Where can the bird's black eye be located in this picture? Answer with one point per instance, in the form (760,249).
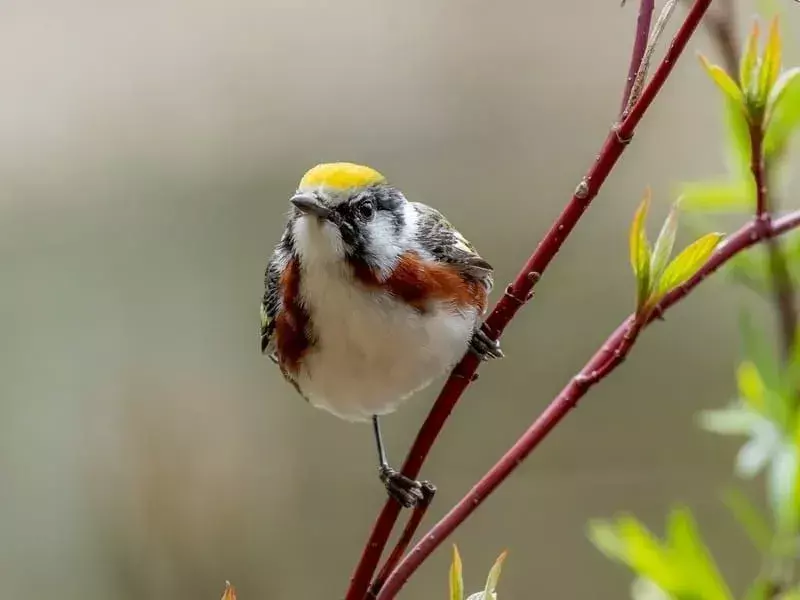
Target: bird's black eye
(366,210)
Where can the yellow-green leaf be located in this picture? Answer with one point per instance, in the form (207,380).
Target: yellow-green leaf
(751,386)
(749,58)
(494,576)
(606,538)
(771,61)
(700,577)
(628,541)
(456,578)
(687,263)
(723,80)
(640,251)
(783,112)
(783,84)
(664,244)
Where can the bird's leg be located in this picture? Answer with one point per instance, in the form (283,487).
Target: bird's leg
(408,492)
(484,346)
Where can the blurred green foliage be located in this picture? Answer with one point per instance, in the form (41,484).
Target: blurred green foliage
(761,104)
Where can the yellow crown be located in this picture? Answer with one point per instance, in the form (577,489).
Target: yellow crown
(340,176)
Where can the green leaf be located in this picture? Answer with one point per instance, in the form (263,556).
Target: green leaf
(681,567)
(456,578)
(751,387)
(604,535)
(724,81)
(783,86)
(494,576)
(664,244)
(640,251)
(783,113)
(758,349)
(717,196)
(687,263)
(754,524)
(749,59)
(770,62)
(700,575)
(644,589)
(629,542)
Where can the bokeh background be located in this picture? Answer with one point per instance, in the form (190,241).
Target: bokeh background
(147,152)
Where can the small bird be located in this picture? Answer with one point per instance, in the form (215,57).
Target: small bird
(368,298)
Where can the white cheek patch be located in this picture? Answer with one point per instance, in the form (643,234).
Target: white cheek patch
(317,242)
(385,244)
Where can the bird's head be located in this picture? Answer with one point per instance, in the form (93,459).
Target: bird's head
(345,211)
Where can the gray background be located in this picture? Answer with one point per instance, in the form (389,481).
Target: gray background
(147,150)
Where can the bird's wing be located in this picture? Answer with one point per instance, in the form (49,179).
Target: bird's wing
(270,305)
(446,244)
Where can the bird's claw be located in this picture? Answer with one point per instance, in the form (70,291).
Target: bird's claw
(408,492)
(483,346)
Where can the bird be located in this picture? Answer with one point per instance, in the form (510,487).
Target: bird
(368,298)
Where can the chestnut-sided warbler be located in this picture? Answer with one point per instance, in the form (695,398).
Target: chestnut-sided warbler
(368,298)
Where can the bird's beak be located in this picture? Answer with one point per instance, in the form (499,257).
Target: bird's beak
(309,205)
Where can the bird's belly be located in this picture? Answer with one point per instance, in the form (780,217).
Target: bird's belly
(372,352)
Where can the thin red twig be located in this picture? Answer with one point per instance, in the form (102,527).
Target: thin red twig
(519,292)
(400,548)
(758,171)
(604,362)
(783,290)
(643,21)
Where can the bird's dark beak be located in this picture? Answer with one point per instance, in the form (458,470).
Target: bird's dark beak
(309,205)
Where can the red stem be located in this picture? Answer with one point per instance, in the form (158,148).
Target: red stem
(757,169)
(643,21)
(400,548)
(783,290)
(604,362)
(519,292)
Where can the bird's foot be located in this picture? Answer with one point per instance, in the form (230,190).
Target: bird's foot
(483,346)
(408,492)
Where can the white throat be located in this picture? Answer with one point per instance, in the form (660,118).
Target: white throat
(317,242)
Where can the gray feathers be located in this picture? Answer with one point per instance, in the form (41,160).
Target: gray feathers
(446,244)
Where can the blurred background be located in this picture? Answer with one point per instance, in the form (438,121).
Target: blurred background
(147,152)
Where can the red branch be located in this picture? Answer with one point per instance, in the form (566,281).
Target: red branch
(757,169)
(783,290)
(604,362)
(643,21)
(519,292)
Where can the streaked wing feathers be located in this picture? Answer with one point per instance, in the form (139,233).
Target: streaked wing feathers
(446,244)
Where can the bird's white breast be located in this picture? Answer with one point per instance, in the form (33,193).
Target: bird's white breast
(371,351)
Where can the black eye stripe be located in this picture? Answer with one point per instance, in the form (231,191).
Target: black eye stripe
(366,209)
